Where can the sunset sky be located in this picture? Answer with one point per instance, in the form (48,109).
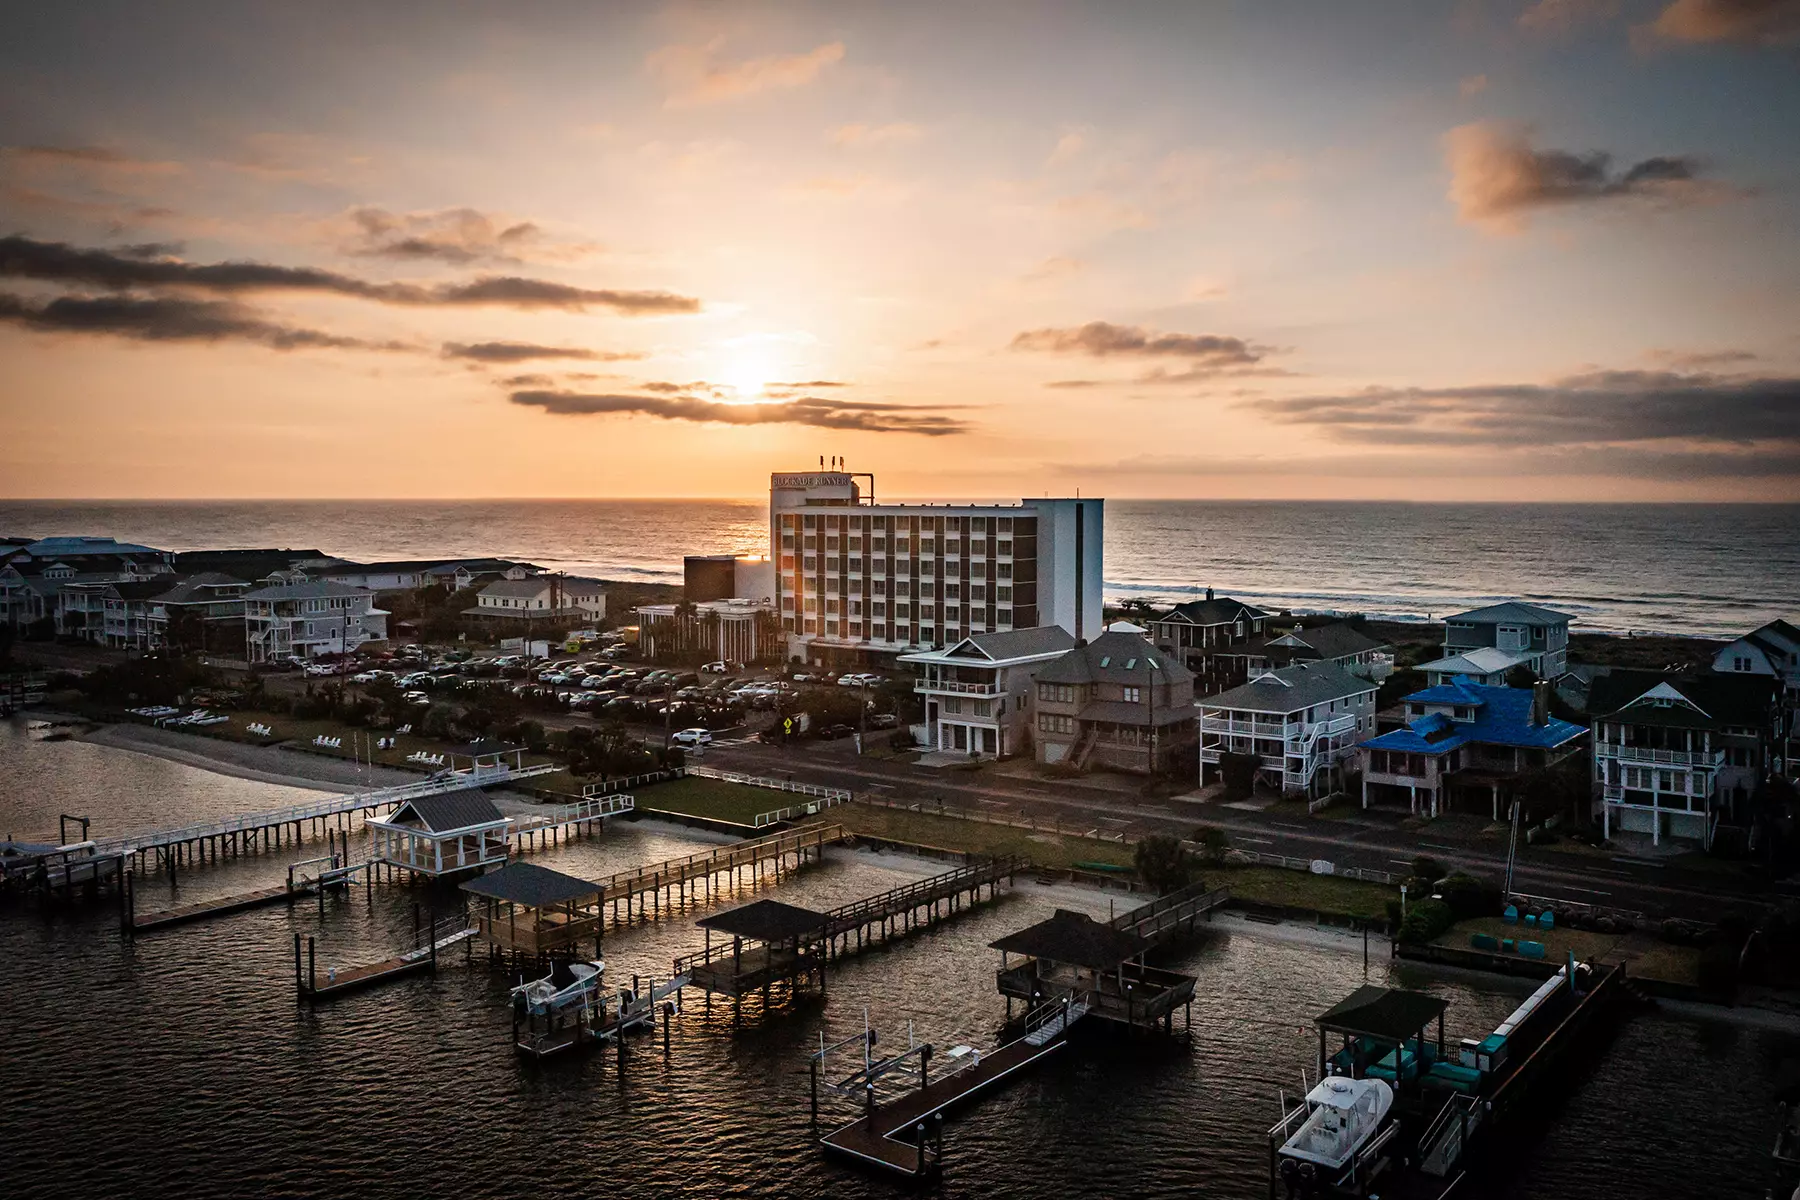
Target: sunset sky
(1497,249)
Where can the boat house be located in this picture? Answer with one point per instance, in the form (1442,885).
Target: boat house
(1097,967)
(1383,1035)
(770,942)
(535,912)
(442,834)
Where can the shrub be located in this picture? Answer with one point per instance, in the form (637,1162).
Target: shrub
(1424,921)
(1163,863)
(1428,868)
(1468,896)
(1213,842)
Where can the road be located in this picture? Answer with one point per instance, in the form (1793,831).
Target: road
(1373,841)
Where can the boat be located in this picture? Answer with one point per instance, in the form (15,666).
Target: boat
(1343,1115)
(566,985)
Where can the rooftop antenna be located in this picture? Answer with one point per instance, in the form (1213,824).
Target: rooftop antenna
(821,462)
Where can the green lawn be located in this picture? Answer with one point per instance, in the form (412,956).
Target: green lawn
(739,803)
(1671,963)
(978,837)
(1300,889)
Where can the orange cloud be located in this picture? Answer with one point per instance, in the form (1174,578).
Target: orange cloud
(1750,22)
(1497,178)
(695,75)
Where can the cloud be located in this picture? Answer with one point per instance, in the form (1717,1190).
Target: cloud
(1068,147)
(1581,461)
(170,319)
(1102,339)
(807,410)
(813,383)
(1596,408)
(456,235)
(1560,18)
(512,352)
(1472,85)
(870,136)
(696,75)
(1746,22)
(91,159)
(59,262)
(1076,383)
(1496,177)
(1691,359)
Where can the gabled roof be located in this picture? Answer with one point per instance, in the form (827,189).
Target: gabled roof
(1389,1014)
(531,885)
(1015,643)
(1512,612)
(246,564)
(518,589)
(447,811)
(1329,641)
(76,547)
(197,589)
(766,921)
(1485,660)
(1502,717)
(319,589)
(1221,610)
(1076,940)
(1114,658)
(1717,700)
(1292,688)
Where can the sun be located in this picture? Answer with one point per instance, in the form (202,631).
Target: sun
(747,377)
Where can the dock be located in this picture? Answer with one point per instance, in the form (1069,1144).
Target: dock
(918,905)
(1170,916)
(905,1135)
(694,876)
(599,1025)
(423,957)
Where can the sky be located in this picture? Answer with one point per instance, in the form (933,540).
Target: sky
(1483,250)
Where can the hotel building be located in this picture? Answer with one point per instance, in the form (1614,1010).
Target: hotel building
(859,582)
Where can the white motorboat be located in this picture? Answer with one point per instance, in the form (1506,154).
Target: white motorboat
(1344,1114)
(567,984)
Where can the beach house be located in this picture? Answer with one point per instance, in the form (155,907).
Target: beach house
(309,619)
(1540,636)
(977,693)
(1301,723)
(1772,651)
(1116,702)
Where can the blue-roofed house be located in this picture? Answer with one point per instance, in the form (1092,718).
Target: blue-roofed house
(1464,744)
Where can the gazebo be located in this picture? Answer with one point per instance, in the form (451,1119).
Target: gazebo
(442,834)
(770,941)
(1070,954)
(536,912)
(1383,1032)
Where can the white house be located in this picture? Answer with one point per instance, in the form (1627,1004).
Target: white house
(977,693)
(1487,665)
(1302,722)
(541,597)
(1773,650)
(309,619)
(1539,635)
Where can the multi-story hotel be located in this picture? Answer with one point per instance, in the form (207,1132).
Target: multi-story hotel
(859,582)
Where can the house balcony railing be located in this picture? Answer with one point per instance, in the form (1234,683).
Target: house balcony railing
(1699,758)
(1268,729)
(958,686)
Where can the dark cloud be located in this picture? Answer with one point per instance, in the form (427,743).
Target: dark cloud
(1496,176)
(807,410)
(813,383)
(59,262)
(512,352)
(1102,339)
(1599,408)
(458,235)
(1747,22)
(1692,359)
(1628,462)
(169,319)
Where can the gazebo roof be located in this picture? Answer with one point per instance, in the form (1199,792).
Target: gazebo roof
(531,885)
(1388,1014)
(481,747)
(443,812)
(766,921)
(1074,939)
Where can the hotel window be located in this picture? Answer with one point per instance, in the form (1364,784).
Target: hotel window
(1002,570)
(927,546)
(880,609)
(787,602)
(787,562)
(902,611)
(812,604)
(831,543)
(811,521)
(926,591)
(881,587)
(952,591)
(810,563)
(1003,618)
(831,627)
(902,588)
(831,606)
(977,593)
(1003,595)
(856,608)
(812,626)
(978,570)
(925,568)
(856,565)
(812,542)
(1134,695)
(977,524)
(1003,524)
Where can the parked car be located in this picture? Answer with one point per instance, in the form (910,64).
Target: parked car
(883,721)
(833,732)
(804,677)
(416,698)
(692,737)
(714,668)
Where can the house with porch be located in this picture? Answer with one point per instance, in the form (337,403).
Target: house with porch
(1332,640)
(309,619)
(977,693)
(540,598)
(1192,633)
(1539,635)
(1115,702)
(1302,723)
(1464,747)
(1680,756)
(1772,651)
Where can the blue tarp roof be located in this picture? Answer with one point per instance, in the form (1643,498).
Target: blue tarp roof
(1502,718)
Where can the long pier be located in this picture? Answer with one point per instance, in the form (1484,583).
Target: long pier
(1169,916)
(695,874)
(920,904)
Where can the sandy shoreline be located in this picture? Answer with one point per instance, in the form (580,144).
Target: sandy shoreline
(264,764)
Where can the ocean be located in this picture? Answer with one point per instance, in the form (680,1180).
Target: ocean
(1701,569)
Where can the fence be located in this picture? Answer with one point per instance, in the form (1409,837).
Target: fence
(1314,866)
(823,797)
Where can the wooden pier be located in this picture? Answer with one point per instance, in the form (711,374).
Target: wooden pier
(694,876)
(905,1135)
(423,957)
(918,905)
(1170,916)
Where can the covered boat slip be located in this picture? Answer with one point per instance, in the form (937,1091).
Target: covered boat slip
(536,912)
(1383,1031)
(442,834)
(769,941)
(1071,955)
